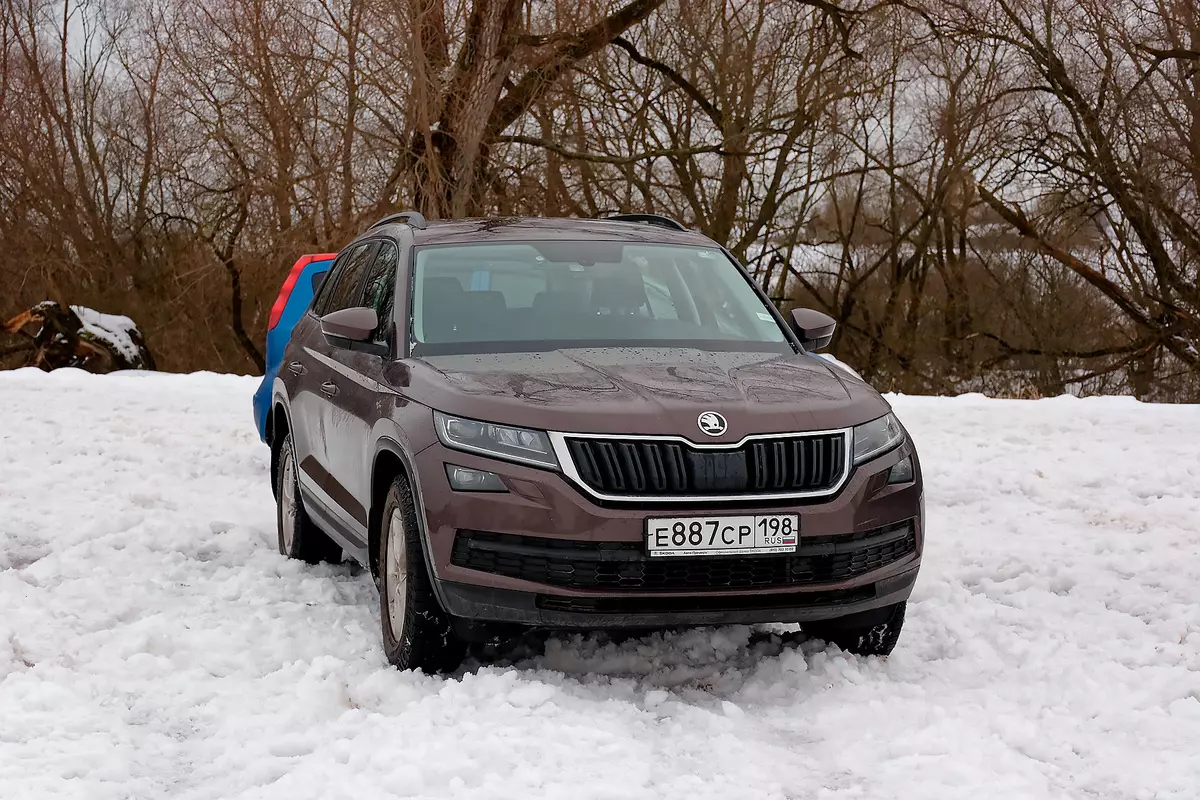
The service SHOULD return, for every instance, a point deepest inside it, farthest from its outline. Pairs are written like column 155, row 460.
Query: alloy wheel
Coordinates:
column 287, row 503
column 397, row 572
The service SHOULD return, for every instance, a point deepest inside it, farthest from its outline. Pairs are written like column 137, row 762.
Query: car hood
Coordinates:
column 646, row 391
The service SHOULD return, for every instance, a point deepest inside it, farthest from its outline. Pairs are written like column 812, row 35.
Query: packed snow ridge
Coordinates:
column 154, row 645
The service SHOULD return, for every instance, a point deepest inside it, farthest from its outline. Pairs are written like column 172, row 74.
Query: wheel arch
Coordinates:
column 278, row 427
column 392, row 461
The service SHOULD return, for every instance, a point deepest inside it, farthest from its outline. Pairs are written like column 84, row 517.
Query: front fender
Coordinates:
column 393, row 446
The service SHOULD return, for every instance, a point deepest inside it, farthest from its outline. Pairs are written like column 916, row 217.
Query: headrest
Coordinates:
column 619, row 293
column 480, row 302
column 560, row 302
column 442, row 285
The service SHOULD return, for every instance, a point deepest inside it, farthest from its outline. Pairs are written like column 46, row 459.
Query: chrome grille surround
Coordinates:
column 560, row 443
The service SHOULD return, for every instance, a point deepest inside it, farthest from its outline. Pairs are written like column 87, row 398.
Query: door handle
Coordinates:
column 329, row 388
column 296, row 368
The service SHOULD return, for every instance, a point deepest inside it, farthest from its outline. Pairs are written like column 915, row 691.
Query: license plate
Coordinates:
column 732, row 536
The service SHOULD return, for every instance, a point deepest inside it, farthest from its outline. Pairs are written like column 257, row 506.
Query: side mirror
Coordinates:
column 353, row 324
column 814, row 329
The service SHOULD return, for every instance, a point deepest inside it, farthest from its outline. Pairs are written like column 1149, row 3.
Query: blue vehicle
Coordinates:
column 294, row 298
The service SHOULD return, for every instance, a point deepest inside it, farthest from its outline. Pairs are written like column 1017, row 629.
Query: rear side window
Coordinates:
column 342, row 286
column 379, row 292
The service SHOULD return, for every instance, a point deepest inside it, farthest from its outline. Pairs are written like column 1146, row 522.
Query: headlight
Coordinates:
column 498, row 441
column 876, row 437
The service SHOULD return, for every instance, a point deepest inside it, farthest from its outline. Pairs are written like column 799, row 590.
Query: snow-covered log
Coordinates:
column 59, row 336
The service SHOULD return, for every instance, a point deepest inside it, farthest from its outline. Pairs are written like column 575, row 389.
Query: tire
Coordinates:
column 417, row 633
column 871, row 633
column 299, row 536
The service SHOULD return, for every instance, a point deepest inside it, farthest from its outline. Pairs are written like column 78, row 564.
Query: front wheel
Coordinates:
column 416, row 631
column 870, row 633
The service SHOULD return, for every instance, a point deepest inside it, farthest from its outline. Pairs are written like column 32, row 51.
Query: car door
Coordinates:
column 356, row 404
column 342, row 289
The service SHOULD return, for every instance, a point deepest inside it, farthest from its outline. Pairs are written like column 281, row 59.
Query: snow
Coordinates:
column 112, row 328
column 839, row 364
column 154, row 645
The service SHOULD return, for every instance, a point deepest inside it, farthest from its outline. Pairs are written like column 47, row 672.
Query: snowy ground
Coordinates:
column 152, row 643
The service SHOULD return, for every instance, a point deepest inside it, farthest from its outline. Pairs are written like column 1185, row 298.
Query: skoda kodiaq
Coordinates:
column 585, row 424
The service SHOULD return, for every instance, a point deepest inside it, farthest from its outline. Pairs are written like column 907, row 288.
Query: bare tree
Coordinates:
column 987, row 195
column 1111, row 142
column 504, row 60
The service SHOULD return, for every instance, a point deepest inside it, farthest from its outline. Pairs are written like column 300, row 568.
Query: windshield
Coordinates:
column 481, row 298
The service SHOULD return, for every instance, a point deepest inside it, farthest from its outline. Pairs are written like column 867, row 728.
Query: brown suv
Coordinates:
column 586, row 424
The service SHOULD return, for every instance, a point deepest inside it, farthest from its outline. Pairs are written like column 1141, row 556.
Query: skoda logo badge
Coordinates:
column 712, row 423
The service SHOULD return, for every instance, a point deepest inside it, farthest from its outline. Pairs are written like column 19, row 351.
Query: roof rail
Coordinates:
column 649, row 219
column 415, row 219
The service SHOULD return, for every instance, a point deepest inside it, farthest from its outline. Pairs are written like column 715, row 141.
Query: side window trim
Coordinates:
column 337, row 272
column 373, row 251
column 387, row 260
column 405, row 277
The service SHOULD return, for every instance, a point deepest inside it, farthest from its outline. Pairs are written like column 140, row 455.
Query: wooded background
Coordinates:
column 988, row 195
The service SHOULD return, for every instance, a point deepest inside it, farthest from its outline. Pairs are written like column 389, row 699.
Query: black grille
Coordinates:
column 623, row 565
column 654, row 467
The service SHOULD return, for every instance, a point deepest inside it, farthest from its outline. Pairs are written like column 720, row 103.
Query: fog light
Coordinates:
column 901, row 472
column 473, row 480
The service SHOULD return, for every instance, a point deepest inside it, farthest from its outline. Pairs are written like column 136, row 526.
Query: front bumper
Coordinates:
column 545, row 505
column 639, row 611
